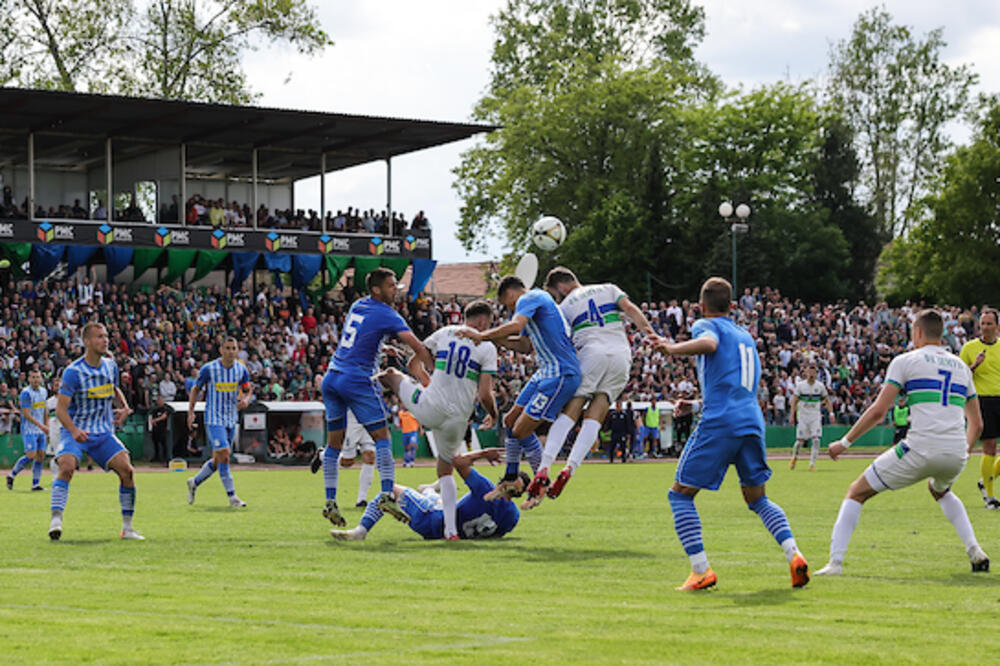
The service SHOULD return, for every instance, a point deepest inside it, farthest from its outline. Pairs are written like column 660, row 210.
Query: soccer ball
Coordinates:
column 548, row 233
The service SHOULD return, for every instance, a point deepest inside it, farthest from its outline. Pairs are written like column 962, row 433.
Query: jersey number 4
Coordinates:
column 747, row 367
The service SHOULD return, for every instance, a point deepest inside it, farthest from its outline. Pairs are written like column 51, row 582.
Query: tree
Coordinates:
column 897, row 96
column 950, row 255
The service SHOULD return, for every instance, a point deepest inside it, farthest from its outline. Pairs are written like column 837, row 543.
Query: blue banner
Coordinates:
column 243, row 263
column 78, row 255
column 304, row 269
column 422, row 271
column 117, row 258
column 44, row 259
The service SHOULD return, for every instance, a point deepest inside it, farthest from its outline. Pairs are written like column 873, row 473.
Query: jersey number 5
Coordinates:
column 747, row 369
column 350, row 330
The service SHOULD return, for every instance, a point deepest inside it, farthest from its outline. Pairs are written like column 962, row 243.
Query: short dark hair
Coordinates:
column 717, row 294
column 509, row 282
column 559, row 275
column 931, row 323
column 377, row 277
column 230, row 338
column 478, row 308
column 90, row 326
column 988, row 310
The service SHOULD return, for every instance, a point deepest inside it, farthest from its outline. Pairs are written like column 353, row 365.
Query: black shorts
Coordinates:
column 989, row 407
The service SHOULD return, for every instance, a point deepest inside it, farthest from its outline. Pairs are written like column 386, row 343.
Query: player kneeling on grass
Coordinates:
column 88, row 390
column 940, row 393
column 477, row 518
column 463, row 374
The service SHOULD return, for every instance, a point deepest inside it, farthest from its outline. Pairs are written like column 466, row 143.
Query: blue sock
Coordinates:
column 372, row 515
column 532, row 451
column 774, row 519
column 36, row 473
column 386, row 465
column 126, row 497
column 331, row 471
column 227, row 479
column 21, row 463
column 512, row 447
column 60, row 491
column 206, row 471
column 686, row 522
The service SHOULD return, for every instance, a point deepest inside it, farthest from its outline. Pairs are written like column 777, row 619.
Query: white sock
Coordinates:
column 127, row 522
column 365, row 481
column 815, row 452
column 847, row 520
column 790, row 548
column 555, row 440
column 360, row 529
column 449, row 499
column 584, row 440
column 699, row 562
column 955, row 512
column 795, row 448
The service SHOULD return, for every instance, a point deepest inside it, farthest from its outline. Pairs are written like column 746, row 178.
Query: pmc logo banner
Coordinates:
column 376, row 246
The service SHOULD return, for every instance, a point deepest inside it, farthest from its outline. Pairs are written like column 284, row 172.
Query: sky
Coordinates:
column 430, row 60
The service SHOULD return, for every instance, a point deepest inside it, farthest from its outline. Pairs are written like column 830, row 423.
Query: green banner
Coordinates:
column 142, row 259
column 208, row 261
column 178, row 261
column 335, row 266
column 362, row 267
column 18, row 253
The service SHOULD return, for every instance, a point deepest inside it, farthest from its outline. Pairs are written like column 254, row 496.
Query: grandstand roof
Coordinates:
column 70, row 130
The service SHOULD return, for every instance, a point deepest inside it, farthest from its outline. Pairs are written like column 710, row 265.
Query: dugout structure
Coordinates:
column 60, row 147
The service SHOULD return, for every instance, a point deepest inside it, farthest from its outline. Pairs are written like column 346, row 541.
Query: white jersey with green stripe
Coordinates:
column 810, row 398
column 458, row 363
column 595, row 318
column 936, row 383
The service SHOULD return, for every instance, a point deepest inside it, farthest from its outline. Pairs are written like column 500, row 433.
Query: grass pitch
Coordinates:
column 588, row 578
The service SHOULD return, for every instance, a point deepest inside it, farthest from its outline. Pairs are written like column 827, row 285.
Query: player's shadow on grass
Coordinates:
column 767, row 597
column 971, row 580
column 213, row 509
column 532, row 552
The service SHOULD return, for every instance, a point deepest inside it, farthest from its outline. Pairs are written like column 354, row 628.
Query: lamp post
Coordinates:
column 738, row 226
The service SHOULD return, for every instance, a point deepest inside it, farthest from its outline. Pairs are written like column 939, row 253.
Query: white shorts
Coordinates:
column 902, row 466
column 809, row 429
column 356, row 437
column 448, row 426
column 602, row 372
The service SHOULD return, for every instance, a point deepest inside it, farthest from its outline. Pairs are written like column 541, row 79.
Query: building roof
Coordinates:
column 71, row 128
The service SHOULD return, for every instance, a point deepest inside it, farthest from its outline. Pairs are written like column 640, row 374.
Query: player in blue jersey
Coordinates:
column 34, row 432
column 731, row 432
column 90, row 407
column 349, row 384
column 537, row 324
column 476, row 518
column 225, row 384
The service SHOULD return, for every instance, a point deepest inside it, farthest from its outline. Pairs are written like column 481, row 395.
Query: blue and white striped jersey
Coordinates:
column 91, row 391
column 549, row 334
column 35, row 401
column 221, row 386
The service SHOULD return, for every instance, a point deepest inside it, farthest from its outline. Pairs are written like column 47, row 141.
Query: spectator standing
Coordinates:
column 158, row 417
column 982, row 355
column 621, row 423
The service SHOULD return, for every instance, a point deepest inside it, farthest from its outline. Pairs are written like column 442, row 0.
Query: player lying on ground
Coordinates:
column 34, row 432
column 463, row 374
column 731, row 432
column 594, row 314
column 477, row 518
column 90, row 407
column 942, row 398
column 536, row 324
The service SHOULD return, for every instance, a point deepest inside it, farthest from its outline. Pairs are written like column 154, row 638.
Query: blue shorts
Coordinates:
column 361, row 394
column 426, row 516
column 708, row 455
column 410, row 438
column 34, row 442
column 543, row 399
column 221, row 437
column 102, row 447
column 646, row 431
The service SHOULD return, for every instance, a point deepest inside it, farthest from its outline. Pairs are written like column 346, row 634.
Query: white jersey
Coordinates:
column 595, row 318
column 937, row 383
column 458, row 362
column 810, row 397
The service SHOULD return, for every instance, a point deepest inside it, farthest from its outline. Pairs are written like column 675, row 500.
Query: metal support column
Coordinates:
column 388, row 193
column 253, row 167
column 322, row 191
column 109, row 204
column 182, row 204
column 31, row 175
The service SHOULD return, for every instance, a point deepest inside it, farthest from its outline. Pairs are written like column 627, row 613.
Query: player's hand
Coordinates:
column 791, row 420
column 44, row 429
column 836, row 449
column 682, row 407
column 494, row 456
column 471, row 334
column 980, row 357
column 121, row 414
column 242, row 403
column 81, row 435
column 488, row 422
column 190, row 420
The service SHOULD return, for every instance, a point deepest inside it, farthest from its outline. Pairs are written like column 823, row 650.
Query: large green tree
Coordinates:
column 951, row 255
column 897, row 95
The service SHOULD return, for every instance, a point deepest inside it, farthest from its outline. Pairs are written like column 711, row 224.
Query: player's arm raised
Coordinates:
column 633, row 312
column 463, row 462
column 703, row 345
column 872, row 417
column 973, row 422
column 507, row 335
column 418, row 348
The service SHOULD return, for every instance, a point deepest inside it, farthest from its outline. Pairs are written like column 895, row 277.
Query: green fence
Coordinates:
column 784, row 436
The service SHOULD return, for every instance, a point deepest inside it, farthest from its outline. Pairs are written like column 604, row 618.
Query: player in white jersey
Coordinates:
column 34, row 432
column 806, row 416
column 463, row 373
column 940, row 393
column 594, row 313
column 355, row 437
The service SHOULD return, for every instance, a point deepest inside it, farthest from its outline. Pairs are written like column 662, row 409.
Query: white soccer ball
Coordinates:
column 548, row 233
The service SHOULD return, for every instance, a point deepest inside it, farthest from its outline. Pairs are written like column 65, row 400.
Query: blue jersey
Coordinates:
column 549, row 334
column 368, row 323
column 35, row 401
column 91, row 391
column 221, row 387
column 728, row 378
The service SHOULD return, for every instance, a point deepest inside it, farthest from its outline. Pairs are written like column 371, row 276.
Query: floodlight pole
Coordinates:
column 109, row 206
column 388, row 192
column 737, row 226
column 253, row 167
column 182, row 204
column 322, row 191
column 31, row 175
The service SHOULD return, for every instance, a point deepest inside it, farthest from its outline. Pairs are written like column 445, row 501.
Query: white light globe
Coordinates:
column 743, row 211
column 725, row 209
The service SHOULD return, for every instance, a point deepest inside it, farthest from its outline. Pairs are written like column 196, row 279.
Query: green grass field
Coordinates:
column 588, row 578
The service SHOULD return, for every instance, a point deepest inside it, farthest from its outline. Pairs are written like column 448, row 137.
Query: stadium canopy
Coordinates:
column 71, row 129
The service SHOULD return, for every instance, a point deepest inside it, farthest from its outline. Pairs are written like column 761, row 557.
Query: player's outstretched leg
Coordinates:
column 371, row 516
column 687, row 524
column 840, row 539
column 192, row 484
column 956, row 514
column 814, row 454
column 21, row 463
column 36, row 475
column 795, row 453
column 365, row 479
column 449, row 505
column 581, row 447
column 512, row 453
column 776, row 522
column 60, row 493
column 226, row 476
column 331, row 470
column 386, row 503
